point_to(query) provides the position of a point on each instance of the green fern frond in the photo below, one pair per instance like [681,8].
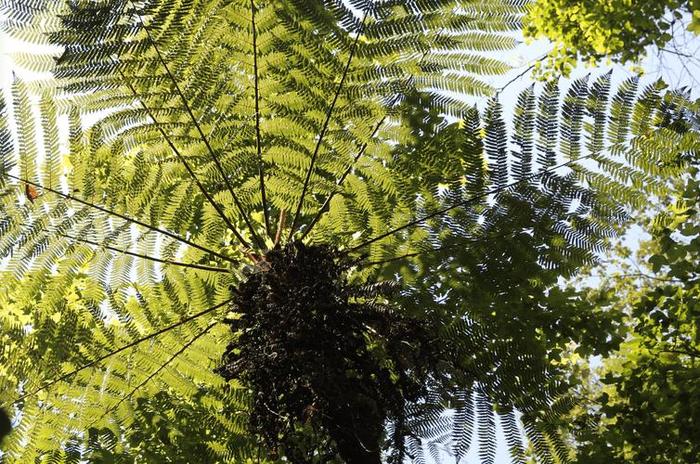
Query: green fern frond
[190,144]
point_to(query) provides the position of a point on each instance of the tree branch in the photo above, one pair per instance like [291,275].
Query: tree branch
[513,80]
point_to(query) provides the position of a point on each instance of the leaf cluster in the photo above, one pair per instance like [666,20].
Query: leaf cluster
[594,30]
[646,405]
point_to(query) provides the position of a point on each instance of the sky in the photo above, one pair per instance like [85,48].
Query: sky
[678,64]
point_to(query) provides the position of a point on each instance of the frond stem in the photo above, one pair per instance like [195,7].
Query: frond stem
[466,202]
[121,216]
[205,140]
[123,348]
[441,248]
[154,373]
[280,226]
[360,153]
[258,136]
[340,181]
[142,256]
[184,162]
[329,114]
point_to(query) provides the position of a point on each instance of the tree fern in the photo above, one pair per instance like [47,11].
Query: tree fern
[203,134]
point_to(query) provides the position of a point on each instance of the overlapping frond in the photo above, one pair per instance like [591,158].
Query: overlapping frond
[191,125]
[300,48]
[500,234]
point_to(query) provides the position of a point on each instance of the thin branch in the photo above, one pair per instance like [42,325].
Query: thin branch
[675,52]
[466,202]
[150,258]
[121,216]
[153,374]
[205,140]
[398,258]
[513,80]
[639,275]
[322,134]
[692,354]
[96,361]
[258,137]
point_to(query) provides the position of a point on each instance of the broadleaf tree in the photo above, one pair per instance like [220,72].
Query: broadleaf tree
[261,231]
[619,30]
[641,403]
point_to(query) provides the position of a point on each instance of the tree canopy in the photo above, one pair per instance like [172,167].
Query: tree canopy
[643,403]
[620,30]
